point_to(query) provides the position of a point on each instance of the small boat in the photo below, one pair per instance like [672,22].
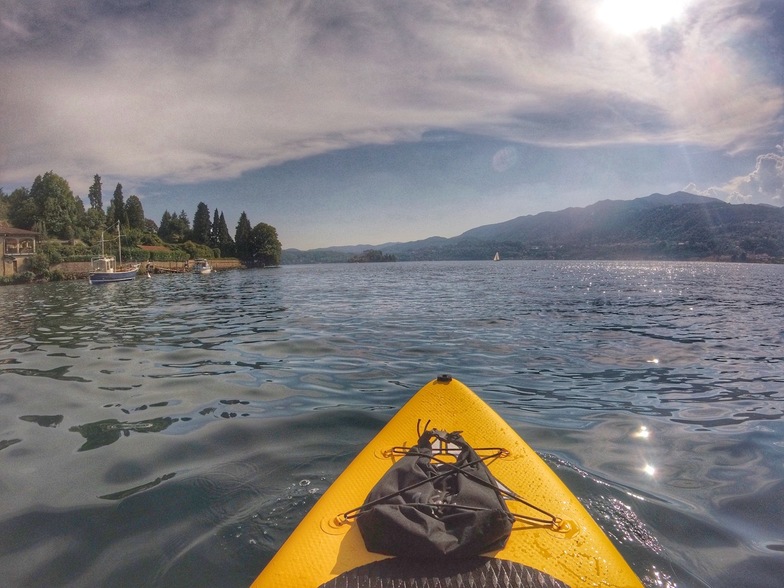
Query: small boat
[496,257]
[106,270]
[448,494]
[201,266]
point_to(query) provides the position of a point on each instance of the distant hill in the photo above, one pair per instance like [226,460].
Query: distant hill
[679,226]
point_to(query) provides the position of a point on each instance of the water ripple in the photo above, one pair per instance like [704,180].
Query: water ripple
[176,429]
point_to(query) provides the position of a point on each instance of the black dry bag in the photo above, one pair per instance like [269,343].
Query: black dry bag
[432,509]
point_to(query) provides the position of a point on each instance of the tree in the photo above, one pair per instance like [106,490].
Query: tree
[264,246]
[94,221]
[21,209]
[225,242]
[372,256]
[80,216]
[117,208]
[242,237]
[95,217]
[201,224]
[135,213]
[219,235]
[4,204]
[174,228]
[183,224]
[57,212]
[164,231]
[150,226]
[95,194]
[215,229]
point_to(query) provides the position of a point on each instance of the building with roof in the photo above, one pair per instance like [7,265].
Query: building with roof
[17,247]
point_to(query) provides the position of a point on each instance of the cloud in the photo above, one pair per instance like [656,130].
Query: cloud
[763,185]
[183,92]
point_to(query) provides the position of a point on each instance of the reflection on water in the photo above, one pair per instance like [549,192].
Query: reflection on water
[136,489]
[8,442]
[108,431]
[43,420]
[173,431]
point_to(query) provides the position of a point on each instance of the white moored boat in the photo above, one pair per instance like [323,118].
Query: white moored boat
[201,266]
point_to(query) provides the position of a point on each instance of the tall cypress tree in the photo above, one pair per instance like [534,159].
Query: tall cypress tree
[215,230]
[201,224]
[117,208]
[242,237]
[95,194]
[225,242]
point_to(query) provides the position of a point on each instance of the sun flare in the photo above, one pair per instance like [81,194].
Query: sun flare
[628,18]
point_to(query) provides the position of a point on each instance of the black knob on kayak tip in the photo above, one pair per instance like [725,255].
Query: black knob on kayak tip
[446,378]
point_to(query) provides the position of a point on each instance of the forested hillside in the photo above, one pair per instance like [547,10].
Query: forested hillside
[677,226]
[69,231]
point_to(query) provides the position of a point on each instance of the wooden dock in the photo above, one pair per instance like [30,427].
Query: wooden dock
[184,267]
[81,269]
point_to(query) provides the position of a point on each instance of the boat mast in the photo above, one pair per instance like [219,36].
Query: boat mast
[119,244]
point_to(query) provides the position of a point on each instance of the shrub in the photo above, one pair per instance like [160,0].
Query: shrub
[135,254]
[52,251]
[40,263]
[170,255]
[151,239]
[195,250]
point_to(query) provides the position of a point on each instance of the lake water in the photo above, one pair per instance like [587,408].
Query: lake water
[172,431]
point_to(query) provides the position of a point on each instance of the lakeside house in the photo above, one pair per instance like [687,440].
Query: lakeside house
[17,247]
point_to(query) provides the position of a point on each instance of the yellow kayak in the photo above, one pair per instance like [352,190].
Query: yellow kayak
[553,541]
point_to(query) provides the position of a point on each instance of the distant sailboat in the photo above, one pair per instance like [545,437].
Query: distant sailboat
[497,257]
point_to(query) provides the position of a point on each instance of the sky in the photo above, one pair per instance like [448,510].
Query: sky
[344,122]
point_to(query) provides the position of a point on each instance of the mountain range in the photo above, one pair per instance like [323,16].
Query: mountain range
[678,226]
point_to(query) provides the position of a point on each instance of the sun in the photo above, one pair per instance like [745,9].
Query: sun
[629,17]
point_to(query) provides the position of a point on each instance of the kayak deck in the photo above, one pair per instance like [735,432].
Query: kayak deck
[327,550]
[474,572]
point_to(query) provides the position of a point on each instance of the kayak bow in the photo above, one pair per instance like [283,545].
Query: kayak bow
[327,548]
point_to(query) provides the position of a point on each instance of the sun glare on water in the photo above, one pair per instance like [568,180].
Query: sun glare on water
[632,16]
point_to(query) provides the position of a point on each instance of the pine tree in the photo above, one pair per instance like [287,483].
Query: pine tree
[183,225]
[164,231]
[174,228]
